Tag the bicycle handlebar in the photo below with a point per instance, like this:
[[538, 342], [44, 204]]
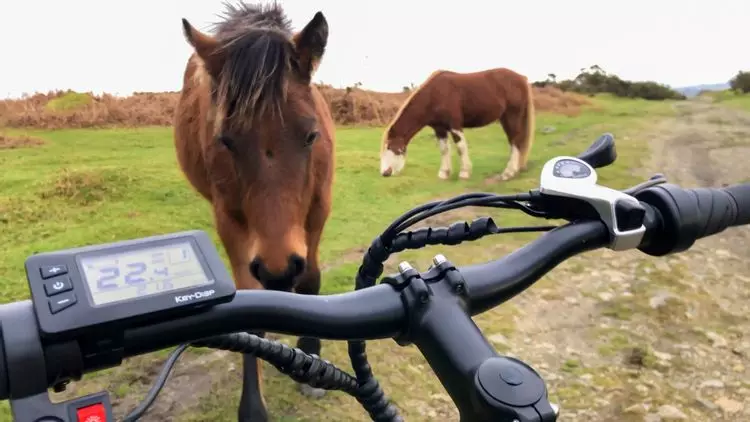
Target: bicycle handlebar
[[340, 317], [430, 309]]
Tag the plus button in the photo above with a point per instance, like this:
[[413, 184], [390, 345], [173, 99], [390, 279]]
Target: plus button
[[53, 270]]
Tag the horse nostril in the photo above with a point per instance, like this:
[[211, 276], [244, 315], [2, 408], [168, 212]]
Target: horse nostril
[[296, 265], [255, 269], [277, 281], [387, 172]]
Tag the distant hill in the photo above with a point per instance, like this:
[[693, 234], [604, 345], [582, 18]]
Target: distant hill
[[692, 91]]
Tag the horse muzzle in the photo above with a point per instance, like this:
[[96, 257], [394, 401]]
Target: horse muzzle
[[281, 281], [391, 164]]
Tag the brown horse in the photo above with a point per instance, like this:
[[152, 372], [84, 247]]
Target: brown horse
[[255, 138], [448, 102]]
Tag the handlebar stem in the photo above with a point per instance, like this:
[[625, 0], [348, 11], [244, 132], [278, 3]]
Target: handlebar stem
[[483, 385]]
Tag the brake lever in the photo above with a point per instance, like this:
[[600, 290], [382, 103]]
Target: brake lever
[[601, 153], [574, 178]]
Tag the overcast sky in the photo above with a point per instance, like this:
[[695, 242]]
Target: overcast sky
[[137, 45]]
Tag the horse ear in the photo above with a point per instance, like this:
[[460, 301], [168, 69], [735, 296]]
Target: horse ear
[[206, 47], [310, 44]]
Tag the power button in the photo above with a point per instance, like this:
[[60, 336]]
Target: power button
[[93, 413], [57, 285]]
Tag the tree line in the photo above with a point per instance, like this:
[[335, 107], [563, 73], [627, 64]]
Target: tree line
[[595, 80]]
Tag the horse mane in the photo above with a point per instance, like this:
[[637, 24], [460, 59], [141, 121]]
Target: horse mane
[[256, 42]]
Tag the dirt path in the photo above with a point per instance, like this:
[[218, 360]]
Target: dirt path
[[627, 337]]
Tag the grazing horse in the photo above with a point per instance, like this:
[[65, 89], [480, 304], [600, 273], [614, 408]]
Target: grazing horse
[[255, 138], [448, 102]]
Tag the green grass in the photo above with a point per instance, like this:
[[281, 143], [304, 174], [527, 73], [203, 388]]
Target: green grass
[[91, 186], [731, 99]]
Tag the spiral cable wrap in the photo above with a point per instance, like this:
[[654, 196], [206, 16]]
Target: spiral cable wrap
[[293, 362], [372, 398], [308, 369], [377, 405]]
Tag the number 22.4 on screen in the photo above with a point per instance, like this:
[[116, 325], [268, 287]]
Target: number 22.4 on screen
[[109, 275]]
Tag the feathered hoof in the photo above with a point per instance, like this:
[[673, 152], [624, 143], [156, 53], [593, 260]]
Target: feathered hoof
[[311, 392], [464, 175], [444, 174]]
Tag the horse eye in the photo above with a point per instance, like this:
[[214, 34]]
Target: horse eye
[[227, 141], [311, 137]]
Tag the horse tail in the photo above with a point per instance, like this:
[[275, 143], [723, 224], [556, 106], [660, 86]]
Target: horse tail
[[528, 141]]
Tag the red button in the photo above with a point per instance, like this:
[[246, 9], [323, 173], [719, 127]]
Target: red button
[[93, 413]]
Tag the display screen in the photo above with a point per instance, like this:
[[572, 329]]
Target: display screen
[[133, 274]]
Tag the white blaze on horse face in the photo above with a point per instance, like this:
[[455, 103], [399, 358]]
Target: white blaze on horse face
[[391, 163], [463, 152], [445, 158]]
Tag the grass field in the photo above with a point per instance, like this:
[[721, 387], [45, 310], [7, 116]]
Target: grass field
[[90, 186], [731, 99]]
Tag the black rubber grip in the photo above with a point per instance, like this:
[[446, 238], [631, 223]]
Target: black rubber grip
[[686, 215], [717, 210], [741, 196]]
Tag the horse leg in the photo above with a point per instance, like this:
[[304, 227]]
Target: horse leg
[[252, 406], [463, 152], [513, 126], [308, 282], [445, 153]]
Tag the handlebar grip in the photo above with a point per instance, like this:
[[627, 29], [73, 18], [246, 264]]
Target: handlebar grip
[[741, 196], [718, 209], [690, 214]]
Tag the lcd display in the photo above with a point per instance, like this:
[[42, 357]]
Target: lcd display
[[128, 275]]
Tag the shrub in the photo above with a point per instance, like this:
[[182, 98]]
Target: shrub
[[741, 82], [69, 101], [595, 80], [353, 105]]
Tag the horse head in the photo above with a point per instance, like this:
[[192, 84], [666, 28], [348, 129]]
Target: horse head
[[263, 126]]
